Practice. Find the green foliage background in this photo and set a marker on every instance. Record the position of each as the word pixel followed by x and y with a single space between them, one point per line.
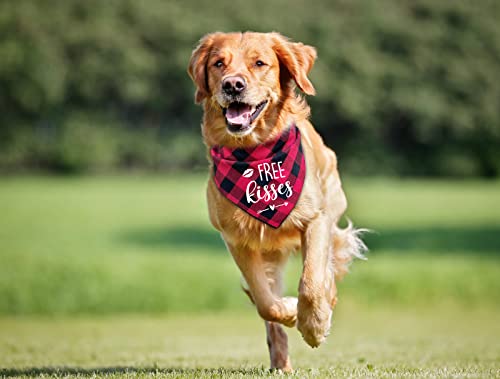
pixel 407 88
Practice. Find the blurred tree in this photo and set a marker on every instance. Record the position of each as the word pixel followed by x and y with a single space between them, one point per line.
pixel 408 88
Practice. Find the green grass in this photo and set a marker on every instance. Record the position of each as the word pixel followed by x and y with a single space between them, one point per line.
pixel 123 276
pixel 143 244
pixel 438 342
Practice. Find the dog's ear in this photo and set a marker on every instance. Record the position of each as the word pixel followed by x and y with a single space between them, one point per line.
pixel 197 68
pixel 297 58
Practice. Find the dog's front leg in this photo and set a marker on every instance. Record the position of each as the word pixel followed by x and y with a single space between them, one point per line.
pixel 270 306
pixel 317 283
pixel 277 340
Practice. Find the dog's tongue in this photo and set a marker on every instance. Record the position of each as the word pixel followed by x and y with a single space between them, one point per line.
pixel 238 113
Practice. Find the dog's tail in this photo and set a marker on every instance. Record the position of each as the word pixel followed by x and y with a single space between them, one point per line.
pixel 347 245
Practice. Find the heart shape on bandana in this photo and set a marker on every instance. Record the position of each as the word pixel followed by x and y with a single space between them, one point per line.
pixel 265 181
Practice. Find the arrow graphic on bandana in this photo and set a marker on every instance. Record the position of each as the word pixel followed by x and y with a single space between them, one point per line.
pixel 273 207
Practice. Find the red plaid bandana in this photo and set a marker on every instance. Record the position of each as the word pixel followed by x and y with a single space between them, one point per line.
pixel 264 181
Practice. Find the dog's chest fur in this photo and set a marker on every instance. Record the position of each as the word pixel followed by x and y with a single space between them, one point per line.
pixel 239 228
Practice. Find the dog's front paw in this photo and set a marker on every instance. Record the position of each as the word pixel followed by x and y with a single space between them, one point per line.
pixel 290 304
pixel 283 311
pixel 314 320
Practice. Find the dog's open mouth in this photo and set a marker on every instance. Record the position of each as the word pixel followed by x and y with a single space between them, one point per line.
pixel 239 116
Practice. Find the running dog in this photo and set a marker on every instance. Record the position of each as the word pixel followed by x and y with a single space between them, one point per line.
pixel 274 187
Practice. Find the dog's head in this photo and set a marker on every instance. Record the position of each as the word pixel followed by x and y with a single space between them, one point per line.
pixel 245 79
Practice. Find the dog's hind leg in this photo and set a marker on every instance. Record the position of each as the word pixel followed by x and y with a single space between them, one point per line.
pixel 277 341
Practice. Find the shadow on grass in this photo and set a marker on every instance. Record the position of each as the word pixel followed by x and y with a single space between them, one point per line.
pixel 121 370
pixel 474 240
pixel 178 237
pixel 485 240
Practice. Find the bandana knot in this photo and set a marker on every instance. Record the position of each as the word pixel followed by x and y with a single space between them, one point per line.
pixel 265 181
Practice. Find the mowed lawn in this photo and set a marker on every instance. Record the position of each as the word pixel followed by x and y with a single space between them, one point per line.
pixel 378 343
pixel 124 276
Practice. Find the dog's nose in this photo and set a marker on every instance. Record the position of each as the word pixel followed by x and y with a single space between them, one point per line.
pixel 233 85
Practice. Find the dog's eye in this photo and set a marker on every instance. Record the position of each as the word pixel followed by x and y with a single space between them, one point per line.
pixel 260 63
pixel 219 63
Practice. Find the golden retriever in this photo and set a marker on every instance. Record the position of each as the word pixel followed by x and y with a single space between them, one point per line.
pixel 253 76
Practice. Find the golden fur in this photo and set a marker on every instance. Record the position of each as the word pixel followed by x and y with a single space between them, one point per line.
pixel 261 251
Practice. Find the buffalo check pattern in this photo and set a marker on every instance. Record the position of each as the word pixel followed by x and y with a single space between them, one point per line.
pixel 239 176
